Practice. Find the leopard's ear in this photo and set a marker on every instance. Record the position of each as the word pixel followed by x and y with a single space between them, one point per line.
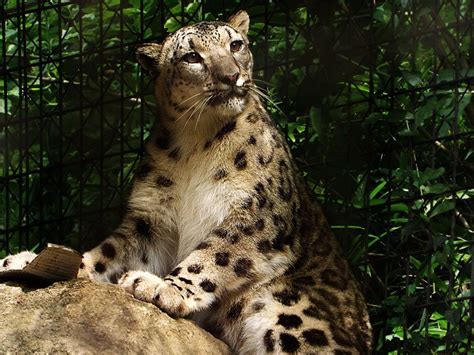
pixel 147 55
pixel 240 21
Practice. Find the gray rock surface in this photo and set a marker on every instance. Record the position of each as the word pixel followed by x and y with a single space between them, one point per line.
pixel 84 317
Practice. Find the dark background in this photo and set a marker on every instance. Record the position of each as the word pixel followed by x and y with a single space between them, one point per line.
pixel 374 98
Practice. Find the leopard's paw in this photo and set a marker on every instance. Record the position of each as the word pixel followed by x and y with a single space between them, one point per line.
pixel 16 261
pixel 151 288
pixel 86 269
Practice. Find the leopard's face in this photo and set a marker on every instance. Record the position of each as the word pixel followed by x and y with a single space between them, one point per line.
pixel 203 67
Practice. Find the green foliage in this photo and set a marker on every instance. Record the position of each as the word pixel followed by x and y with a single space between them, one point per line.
pixel 375 101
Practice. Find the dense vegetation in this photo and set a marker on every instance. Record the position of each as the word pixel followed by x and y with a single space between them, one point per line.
pixel 374 97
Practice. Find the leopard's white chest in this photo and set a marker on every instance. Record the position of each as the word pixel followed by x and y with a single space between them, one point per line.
pixel 202 203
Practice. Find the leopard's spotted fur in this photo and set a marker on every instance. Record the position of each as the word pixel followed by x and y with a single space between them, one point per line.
pixel 220 225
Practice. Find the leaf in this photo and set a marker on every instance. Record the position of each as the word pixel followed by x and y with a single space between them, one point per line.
pixel 429 174
pixel 412 227
pixel 374 117
pixel 453 316
pixel 443 207
pixel 172 25
pixel 377 189
pixel 466 100
pixel 434 189
pixel 315 117
pixel 412 78
pixel 377 202
pixel 407 133
pixel 192 7
pixel 446 75
pixel 425 111
pixel 382 14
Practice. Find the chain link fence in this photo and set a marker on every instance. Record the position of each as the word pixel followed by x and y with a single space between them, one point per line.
pixel 373 96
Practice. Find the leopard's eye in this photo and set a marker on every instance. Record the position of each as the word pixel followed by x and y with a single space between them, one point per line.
pixel 236 46
pixel 192 57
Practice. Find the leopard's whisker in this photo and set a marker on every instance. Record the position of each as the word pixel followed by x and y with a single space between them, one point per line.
pixel 191 97
pixel 195 110
pixel 203 106
pixel 259 92
pixel 188 109
pixel 184 113
pixel 263 81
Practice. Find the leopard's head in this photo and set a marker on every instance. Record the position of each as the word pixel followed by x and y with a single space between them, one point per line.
pixel 202 70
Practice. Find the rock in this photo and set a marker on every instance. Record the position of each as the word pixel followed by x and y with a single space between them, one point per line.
pixel 84 317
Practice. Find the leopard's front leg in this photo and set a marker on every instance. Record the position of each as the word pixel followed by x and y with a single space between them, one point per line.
pixel 234 255
pixel 145 237
pixel 140 243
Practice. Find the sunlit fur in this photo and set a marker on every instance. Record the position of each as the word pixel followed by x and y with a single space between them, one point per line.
pixel 191 94
pixel 220 226
pixel 19 261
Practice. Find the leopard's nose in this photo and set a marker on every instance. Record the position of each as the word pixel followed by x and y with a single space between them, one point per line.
pixel 230 79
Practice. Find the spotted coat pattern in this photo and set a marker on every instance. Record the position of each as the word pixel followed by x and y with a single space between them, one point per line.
pixel 220 225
